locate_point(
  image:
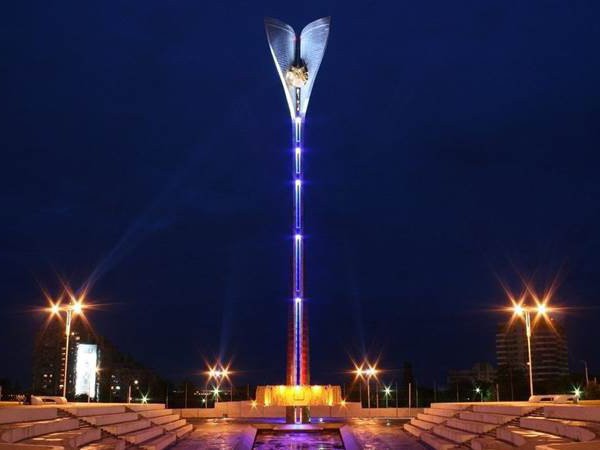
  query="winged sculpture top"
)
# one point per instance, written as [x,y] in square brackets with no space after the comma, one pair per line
[297,58]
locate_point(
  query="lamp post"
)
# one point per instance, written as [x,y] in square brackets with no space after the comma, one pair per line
[129,390]
[369,372]
[387,391]
[74,307]
[524,311]
[219,372]
[587,376]
[480,392]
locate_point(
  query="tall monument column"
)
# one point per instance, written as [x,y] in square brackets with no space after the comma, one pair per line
[297,59]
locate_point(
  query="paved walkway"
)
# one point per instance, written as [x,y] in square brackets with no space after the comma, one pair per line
[220,434]
[215,434]
[378,435]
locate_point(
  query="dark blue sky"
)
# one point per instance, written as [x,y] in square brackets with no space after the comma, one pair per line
[448,144]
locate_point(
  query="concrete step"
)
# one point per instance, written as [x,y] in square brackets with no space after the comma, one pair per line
[174,425]
[19,414]
[595,445]
[454,406]
[90,409]
[416,432]
[453,435]
[138,407]
[19,446]
[109,419]
[160,442]
[527,439]
[106,444]
[432,419]
[162,420]
[437,442]
[141,436]
[506,409]
[496,419]
[571,412]
[470,426]
[569,429]
[440,412]
[422,424]
[15,432]
[127,427]
[488,443]
[155,413]
[182,431]
[70,440]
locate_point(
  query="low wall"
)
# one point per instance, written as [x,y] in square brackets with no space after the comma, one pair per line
[246,410]
[246,442]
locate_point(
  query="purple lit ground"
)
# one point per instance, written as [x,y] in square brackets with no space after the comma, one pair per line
[223,434]
[376,434]
[297,440]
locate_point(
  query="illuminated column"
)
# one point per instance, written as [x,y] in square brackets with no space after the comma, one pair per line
[297,59]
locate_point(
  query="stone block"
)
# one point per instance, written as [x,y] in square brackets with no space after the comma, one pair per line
[22,431]
[470,426]
[571,430]
[453,435]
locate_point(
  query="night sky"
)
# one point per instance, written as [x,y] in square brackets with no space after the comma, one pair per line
[451,146]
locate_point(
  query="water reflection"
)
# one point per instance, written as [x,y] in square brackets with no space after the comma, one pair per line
[298,440]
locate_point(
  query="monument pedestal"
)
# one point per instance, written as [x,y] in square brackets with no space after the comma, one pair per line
[297,414]
[298,399]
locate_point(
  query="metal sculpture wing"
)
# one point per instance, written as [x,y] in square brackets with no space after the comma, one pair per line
[282,41]
[297,58]
[313,41]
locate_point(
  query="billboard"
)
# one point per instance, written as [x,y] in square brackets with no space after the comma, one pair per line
[85,370]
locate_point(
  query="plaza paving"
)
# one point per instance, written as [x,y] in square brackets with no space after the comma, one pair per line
[213,434]
[378,435]
[372,434]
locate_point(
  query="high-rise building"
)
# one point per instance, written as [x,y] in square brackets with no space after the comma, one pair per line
[96,367]
[480,372]
[548,349]
[49,357]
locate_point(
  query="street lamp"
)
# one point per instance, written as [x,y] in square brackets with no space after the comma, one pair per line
[479,391]
[75,307]
[524,311]
[370,371]
[215,392]
[587,376]
[387,391]
[219,373]
[129,390]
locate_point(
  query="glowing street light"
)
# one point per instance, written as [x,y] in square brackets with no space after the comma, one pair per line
[524,311]
[387,391]
[219,372]
[369,372]
[75,307]
[215,392]
[129,390]
[479,391]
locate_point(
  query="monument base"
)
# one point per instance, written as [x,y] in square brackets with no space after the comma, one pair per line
[297,414]
[298,399]
[299,396]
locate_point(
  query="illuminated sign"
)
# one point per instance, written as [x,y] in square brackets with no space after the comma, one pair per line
[85,370]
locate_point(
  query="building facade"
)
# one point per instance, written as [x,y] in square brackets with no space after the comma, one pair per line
[480,372]
[549,352]
[115,377]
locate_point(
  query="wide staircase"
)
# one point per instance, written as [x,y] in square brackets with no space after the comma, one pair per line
[507,426]
[91,426]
